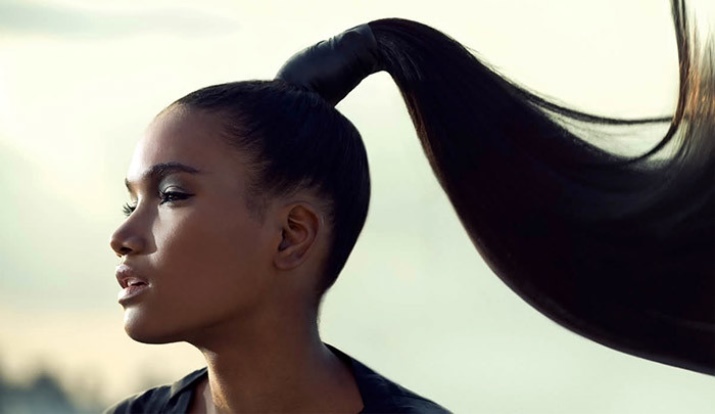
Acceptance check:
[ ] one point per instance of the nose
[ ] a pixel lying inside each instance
(124, 241)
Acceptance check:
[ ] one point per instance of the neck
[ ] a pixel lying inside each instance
(285, 368)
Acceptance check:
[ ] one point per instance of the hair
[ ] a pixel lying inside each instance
(296, 140)
(618, 249)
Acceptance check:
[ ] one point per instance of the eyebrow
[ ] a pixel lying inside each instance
(160, 171)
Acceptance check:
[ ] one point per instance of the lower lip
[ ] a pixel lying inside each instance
(131, 292)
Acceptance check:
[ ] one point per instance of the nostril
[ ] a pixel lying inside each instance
(129, 238)
(127, 244)
(123, 246)
(123, 251)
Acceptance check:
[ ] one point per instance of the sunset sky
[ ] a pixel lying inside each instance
(80, 80)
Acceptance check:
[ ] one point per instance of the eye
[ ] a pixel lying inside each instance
(164, 197)
(128, 209)
(169, 196)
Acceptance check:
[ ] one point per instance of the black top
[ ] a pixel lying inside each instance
(379, 395)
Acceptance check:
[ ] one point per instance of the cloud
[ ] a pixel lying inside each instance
(27, 18)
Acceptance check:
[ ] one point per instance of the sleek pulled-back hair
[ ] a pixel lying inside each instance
(295, 140)
(617, 249)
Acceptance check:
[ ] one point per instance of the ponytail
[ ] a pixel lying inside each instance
(617, 249)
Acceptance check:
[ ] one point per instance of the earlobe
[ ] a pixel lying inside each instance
(299, 233)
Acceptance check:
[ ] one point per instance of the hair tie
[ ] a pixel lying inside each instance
(334, 67)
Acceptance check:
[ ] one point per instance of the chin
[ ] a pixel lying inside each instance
(147, 331)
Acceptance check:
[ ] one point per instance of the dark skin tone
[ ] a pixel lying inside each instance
(238, 285)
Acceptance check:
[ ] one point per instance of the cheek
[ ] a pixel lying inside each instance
(224, 239)
(213, 251)
(209, 268)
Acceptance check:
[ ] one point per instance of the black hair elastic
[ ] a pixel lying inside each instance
(334, 67)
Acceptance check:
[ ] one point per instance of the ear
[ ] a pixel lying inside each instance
(300, 228)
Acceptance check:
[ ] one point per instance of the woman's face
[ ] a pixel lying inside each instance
(194, 257)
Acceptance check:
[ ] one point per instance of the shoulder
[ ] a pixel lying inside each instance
(384, 395)
(381, 395)
(170, 398)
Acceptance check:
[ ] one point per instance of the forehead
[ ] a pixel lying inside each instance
(189, 137)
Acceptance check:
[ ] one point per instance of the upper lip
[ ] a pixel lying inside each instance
(127, 277)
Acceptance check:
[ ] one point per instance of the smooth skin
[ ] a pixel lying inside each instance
(239, 285)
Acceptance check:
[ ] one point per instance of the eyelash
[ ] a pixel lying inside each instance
(165, 197)
(128, 209)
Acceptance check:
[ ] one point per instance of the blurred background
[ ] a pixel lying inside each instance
(80, 80)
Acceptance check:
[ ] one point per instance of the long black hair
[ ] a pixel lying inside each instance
(618, 249)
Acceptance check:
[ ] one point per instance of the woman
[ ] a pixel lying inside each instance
(248, 197)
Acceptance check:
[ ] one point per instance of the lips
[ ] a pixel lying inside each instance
(131, 283)
(127, 277)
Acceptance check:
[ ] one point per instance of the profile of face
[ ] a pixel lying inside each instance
(195, 255)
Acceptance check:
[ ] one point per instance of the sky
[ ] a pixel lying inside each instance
(81, 79)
